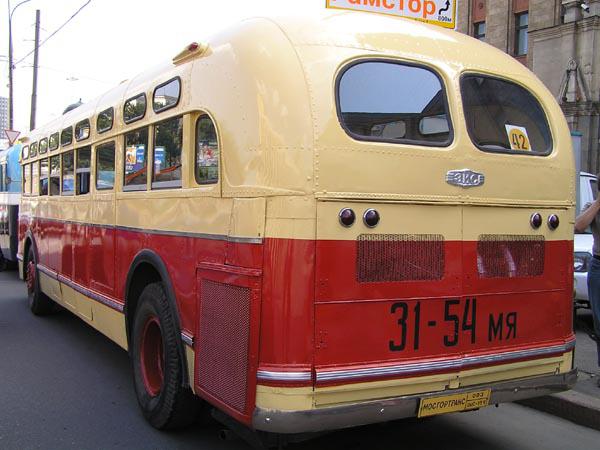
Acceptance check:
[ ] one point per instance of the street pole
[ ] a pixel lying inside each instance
(35, 70)
(10, 63)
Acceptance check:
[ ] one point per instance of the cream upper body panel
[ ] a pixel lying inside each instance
(377, 170)
(270, 87)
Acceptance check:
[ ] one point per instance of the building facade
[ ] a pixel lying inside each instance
(559, 40)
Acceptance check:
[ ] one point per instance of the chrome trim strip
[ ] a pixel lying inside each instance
(269, 375)
(187, 338)
(388, 409)
(100, 298)
(214, 237)
(457, 364)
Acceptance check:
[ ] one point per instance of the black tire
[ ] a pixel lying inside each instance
(39, 303)
(157, 367)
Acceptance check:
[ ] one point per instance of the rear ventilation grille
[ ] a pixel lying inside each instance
(399, 257)
(510, 256)
(222, 365)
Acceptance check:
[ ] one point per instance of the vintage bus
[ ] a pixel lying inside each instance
(10, 196)
(314, 223)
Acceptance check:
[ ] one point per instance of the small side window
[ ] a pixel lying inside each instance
(105, 166)
(27, 179)
(82, 130)
(104, 122)
(207, 151)
(33, 150)
(25, 152)
(136, 156)
(168, 139)
(35, 178)
(68, 169)
(44, 176)
(82, 179)
(66, 136)
(43, 146)
(166, 95)
(134, 109)
(53, 141)
(55, 175)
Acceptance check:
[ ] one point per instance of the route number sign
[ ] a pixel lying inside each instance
(437, 12)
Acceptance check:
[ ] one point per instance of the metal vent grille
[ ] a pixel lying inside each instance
(222, 354)
(510, 256)
(399, 257)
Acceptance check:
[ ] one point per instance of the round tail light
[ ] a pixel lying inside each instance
(536, 220)
(347, 217)
(371, 218)
(553, 222)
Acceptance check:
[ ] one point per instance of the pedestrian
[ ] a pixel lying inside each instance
(590, 216)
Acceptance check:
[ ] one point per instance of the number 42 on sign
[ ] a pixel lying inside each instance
(438, 12)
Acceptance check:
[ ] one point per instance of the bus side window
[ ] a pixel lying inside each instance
(136, 156)
(2, 177)
(35, 178)
(105, 166)
(82, 180)
(44, 176)
(207, 151)
(55, 175)
(168, 142)
(27, 179)
(68, 180)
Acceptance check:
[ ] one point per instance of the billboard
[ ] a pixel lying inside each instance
(437, 12)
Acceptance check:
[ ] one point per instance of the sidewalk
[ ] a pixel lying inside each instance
(582, 404)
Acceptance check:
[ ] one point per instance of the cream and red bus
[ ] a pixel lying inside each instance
(314, 223)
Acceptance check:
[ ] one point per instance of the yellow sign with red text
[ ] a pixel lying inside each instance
(437, 12)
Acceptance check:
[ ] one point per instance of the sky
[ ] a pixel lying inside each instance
(109, 41)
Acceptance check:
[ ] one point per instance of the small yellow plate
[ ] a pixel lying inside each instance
(454, 403)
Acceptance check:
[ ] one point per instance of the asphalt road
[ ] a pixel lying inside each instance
(65, 386)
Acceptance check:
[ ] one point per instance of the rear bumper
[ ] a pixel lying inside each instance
(364, 413)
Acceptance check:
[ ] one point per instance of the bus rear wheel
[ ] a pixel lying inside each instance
(39, 303)
(157, 366)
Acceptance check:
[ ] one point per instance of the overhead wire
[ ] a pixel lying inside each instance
(54, 32)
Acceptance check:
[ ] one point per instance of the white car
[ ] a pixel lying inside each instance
(583, 242)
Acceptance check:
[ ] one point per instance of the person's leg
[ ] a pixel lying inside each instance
(593, 282)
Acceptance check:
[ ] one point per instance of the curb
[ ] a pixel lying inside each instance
(574, 406)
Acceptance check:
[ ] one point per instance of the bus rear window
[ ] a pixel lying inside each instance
(504, 117)
(393, 102)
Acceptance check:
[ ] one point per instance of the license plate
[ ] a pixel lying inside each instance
(454, 403)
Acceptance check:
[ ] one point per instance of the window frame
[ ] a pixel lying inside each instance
(59, 158)
(50, 148)
(164, 108)
(33, 149)
(47, 160)
(195, 150)
(505, 151)
(89, 126)
(112, 120)
(95, 156)
(43, 144)
(479, 36)
(62, 174)
(518, 29)
(406, 142)
(136, 118)
(136, 187)
(172, 184)
(76, 170)
(66, 144)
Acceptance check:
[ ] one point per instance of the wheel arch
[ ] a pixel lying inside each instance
(148, 267)
(29, 242)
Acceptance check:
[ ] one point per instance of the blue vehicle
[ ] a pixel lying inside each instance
(10, 196)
